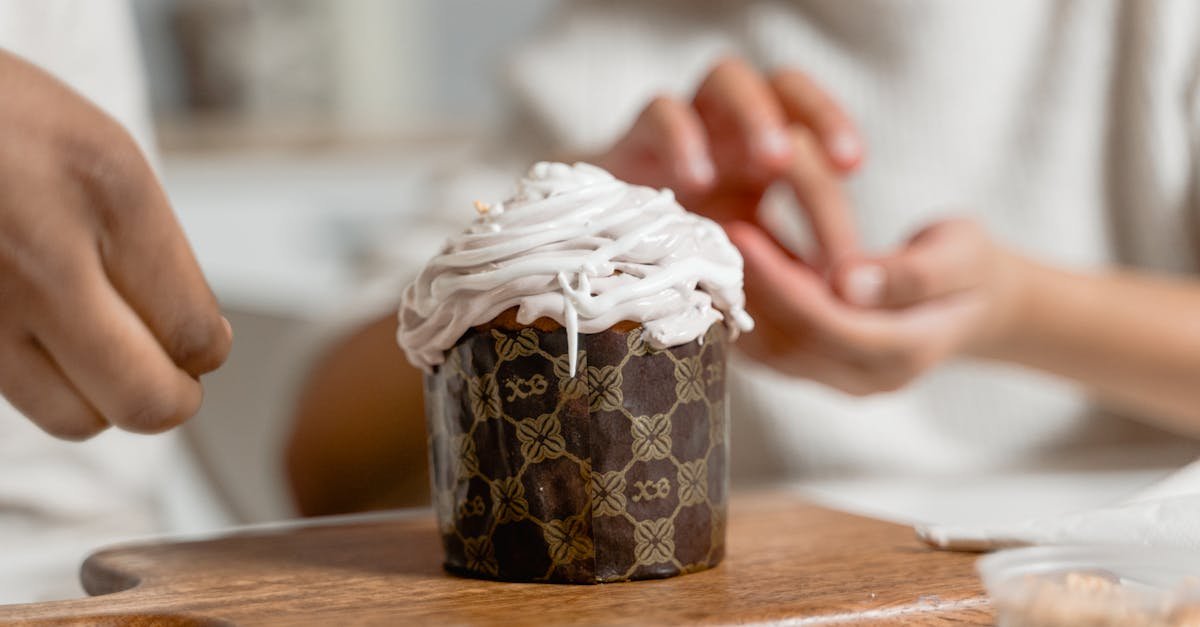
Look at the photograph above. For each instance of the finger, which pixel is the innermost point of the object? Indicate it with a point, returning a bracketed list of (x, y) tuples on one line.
[(148, 260), (861, 351), (821, 197), (809, 105), (786, 351), (787, 293), (33, 384), (111, 357), (797, 346), (667, 146), (745, 123), (940, 260)]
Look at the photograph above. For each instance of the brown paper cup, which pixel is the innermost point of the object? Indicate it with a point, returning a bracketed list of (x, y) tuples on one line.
[(615, 474)]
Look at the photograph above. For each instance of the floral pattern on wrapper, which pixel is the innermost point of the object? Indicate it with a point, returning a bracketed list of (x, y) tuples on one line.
[(614, 474)]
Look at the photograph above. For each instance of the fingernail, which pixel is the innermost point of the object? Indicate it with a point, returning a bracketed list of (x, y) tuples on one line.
[(864, 285), (701, 170), (775, 144), (844, 147), (228, 327)]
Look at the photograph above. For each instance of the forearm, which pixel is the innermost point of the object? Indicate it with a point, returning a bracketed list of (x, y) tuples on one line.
[(358, 439), (1132, 339)]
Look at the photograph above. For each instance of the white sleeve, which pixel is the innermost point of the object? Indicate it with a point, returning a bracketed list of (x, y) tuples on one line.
[(89, 45), (1194, 125)]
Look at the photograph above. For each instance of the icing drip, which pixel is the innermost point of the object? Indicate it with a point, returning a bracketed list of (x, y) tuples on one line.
[(580, 247)]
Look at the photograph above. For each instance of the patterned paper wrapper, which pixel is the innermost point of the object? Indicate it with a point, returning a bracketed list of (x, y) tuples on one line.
[(617, 473)]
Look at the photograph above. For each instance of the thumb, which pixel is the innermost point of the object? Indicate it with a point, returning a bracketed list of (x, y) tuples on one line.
[(942, 259)]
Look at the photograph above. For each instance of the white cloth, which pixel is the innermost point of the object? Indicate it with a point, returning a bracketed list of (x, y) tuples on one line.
[(1163, 515), (1069, 129), (61, 500)]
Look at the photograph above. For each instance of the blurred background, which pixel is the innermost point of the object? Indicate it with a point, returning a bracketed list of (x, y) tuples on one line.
[(299, 139), (323, 112), (293, 134), (310, 71)]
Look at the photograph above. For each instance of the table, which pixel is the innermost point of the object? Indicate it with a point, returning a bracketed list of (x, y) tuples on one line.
[(789, 561)]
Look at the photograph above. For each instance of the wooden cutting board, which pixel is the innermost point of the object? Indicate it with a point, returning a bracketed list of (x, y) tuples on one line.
[(788, 561)]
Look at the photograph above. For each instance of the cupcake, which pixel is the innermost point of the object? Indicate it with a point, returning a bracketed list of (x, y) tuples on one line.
[(574, 342)]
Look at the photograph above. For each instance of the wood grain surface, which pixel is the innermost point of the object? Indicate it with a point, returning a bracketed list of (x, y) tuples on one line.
[(788, 561)]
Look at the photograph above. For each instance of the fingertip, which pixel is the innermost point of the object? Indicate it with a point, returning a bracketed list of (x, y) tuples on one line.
[(812, 107), (743, 117), (225, 344), (741, 234), (770, 152), (845, 150), (749, 241), (675, 132), (200, 346), (761, 255), (696, 172), (773, 145), (862, 284)]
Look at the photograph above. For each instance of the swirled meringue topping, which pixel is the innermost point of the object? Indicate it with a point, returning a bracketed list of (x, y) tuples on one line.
[(578, 246)]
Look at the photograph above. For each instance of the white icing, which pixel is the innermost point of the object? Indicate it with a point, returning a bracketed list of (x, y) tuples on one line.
[(586, 250)]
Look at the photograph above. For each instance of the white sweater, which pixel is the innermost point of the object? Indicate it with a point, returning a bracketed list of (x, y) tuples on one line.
[(60, 500), (1071, 129)]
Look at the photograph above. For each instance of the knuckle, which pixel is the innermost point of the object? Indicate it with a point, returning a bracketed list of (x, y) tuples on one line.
[(854, 388), (725, 73), (108, 166), (845, 340), (859, 385), (901, 374), (888, 368), (881, 379), (900, 369), (899, 360), (974, 234), (917, 280), (961, 230), (890, 384), (963, 224), (661, 104), (729, 64), (807, 167), (662, 115), (95, 158), (790, 77)]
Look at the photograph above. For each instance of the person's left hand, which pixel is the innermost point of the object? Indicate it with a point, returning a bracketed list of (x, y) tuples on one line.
[(949, 291)]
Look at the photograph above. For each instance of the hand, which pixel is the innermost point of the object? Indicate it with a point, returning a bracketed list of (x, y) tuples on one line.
[(741, 133), (105, 317), (950, 290)]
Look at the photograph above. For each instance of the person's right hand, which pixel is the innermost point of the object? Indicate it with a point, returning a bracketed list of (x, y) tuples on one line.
[(105, 317), (740, 133)]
